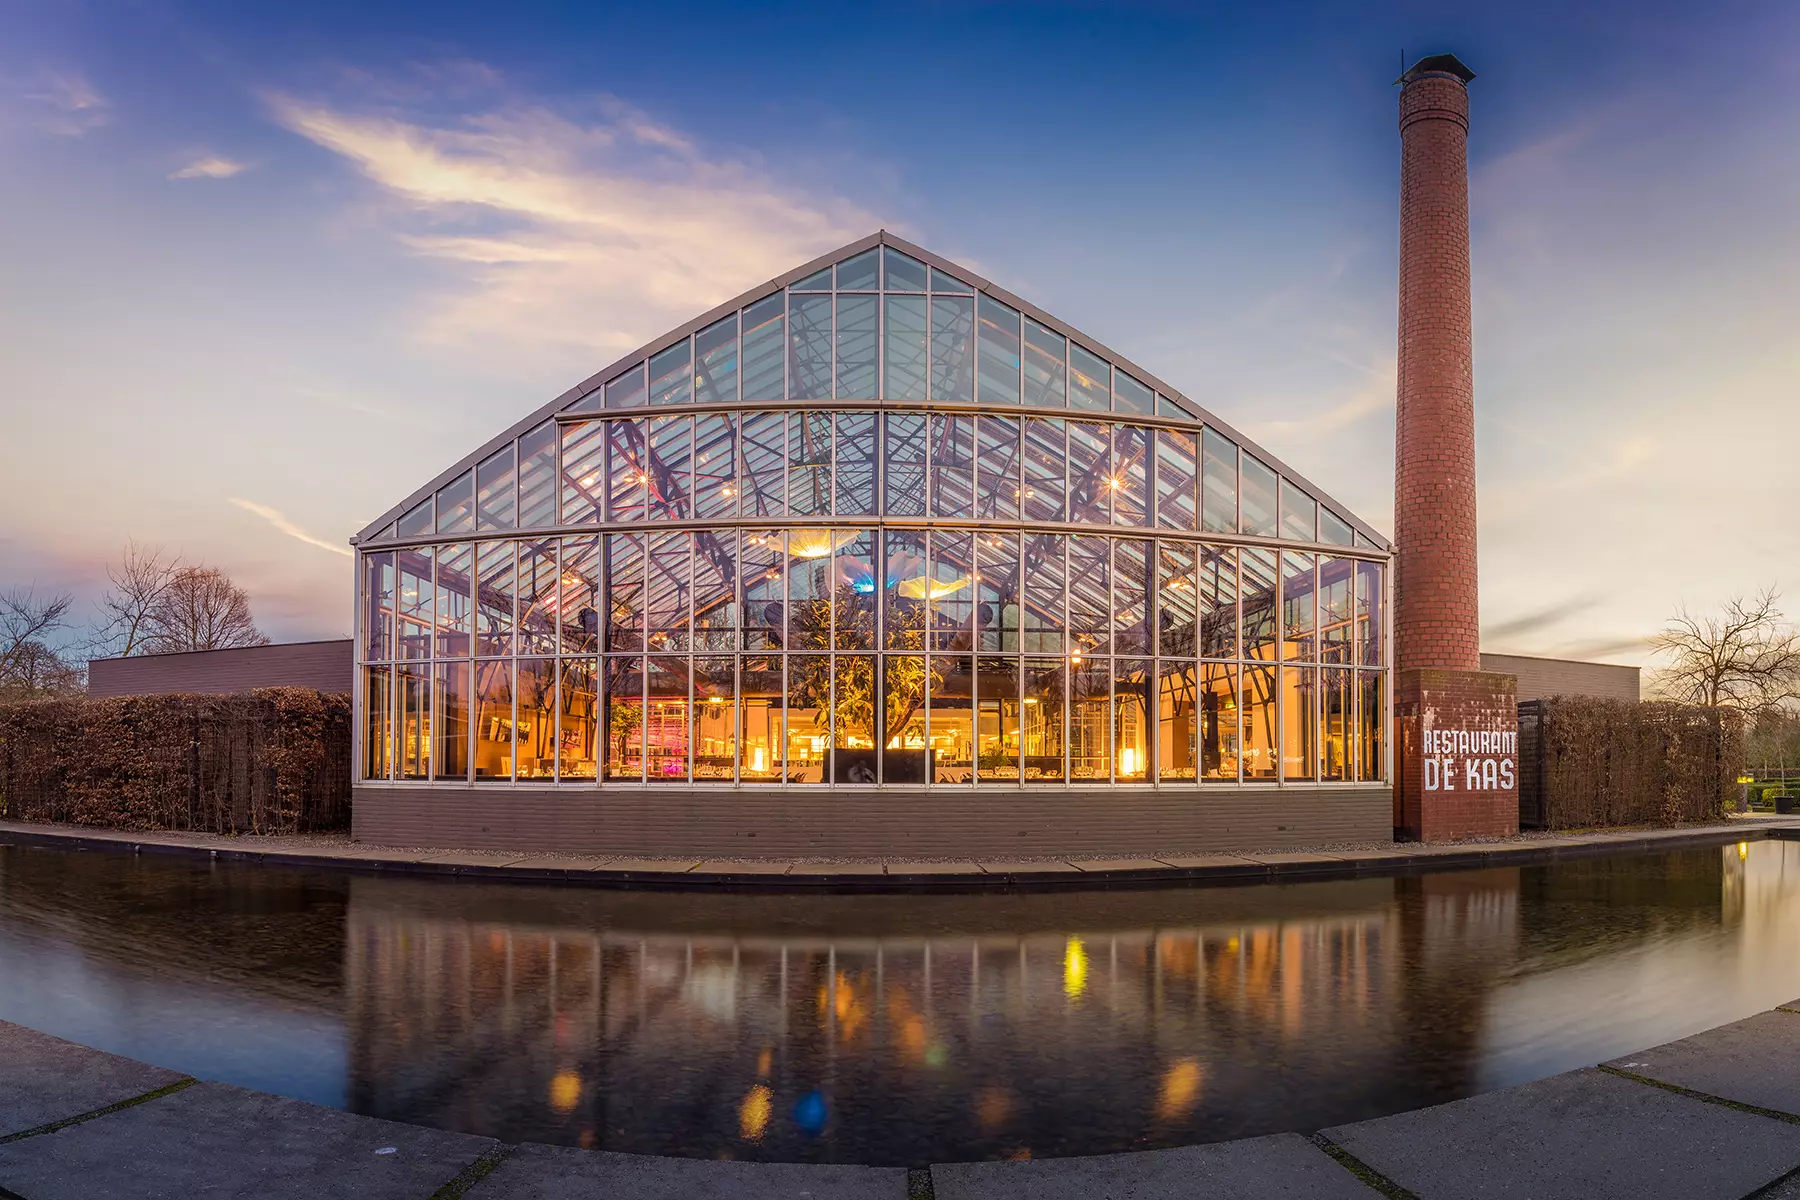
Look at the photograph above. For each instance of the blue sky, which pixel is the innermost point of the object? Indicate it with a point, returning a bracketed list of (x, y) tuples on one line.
[(269, 268)]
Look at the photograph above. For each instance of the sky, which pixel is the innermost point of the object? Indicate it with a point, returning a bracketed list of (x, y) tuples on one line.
[(268, 269)]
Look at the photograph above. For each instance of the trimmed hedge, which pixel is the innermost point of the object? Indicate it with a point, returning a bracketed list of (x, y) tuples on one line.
[(276, 760), (1610, 762)]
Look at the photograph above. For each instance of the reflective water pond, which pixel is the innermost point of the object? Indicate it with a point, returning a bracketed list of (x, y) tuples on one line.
[(890, 1029)]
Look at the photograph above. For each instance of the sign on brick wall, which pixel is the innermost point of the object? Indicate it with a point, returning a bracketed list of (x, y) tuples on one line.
[(1471, 760)]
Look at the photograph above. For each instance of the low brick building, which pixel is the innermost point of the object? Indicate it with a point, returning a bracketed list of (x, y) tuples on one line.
[(328, 666)]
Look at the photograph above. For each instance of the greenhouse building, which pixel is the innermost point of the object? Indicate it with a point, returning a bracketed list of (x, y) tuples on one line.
[(875, 559)]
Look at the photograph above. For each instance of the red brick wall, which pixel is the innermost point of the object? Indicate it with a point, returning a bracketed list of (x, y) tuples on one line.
[(1454, 701), (1435, 614)]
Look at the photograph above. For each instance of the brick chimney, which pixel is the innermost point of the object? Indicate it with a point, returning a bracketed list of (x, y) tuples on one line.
[(1455, 726)]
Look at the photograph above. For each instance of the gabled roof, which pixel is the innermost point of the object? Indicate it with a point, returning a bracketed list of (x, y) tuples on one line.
[(584, 389)]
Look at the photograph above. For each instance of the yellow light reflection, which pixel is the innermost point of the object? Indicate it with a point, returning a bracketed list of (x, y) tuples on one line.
[(930, 589), (1075, 968), (565, 1091), (753, 1112), (1743, 851), (1180, 1089)]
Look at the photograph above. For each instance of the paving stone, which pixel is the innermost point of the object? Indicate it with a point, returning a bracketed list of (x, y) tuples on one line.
[(474, 858), (837, 868), (1284, 1165), (1787, 1189), (1581, 1135), (934, 868), (1117, 864), (1030, 868), (213, 1140), (44, 1079), (657, 866), (1756, 1061), (1210, 862), (721, 866), (560, 1173), (1292, 858), (573, 866)]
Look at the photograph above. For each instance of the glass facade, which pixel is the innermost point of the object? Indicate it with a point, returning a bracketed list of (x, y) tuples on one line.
[(875, 528)]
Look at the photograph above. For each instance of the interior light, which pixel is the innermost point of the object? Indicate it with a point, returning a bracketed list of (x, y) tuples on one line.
[(759, 759), (1128, 761)]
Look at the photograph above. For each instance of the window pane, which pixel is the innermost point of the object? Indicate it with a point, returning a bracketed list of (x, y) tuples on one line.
[(418, 521), (539, 584), (1257, 579), (860, 273), (496, 492), (671, 485), (763, 700), (622, 732), (1090, 597), (497, 577), (583, 472), (997, 468), (858, 327), (1046, 462), (537, 719), (1333, 528), (1337, 726), (1046, 378), (1299, 724), (1090, 474), (1178, 723), (952, 590), (764, 341), (1218, 602), (952, 371), (809, 464), (493, 720), (1299, 514), (765, 609), (904, 603), (1177, 505), (578, 602), (671, 379), (903, 718), (451, 758), (1336, 617), (809, 347), (856, 464), (904, 274), (997, 591), (1219, 723), (999, 341), (941, 282), (1041, 721), (1257, 502), (1131, 466), (1258, 705), (1089, 380), (1090, 720), (952, 466), (1133, 582), (627, 471), (1370, 601), (455, 569), (715, 466), (904, 464), (537, 477), (818, 281), (951, 721), (853, 719), (627, 391), (1299, 615), (668, 588), (1042, 618), (715, 590), (624, 591), (378, 731), (1129, 395), (413, 685), (716, 362), (1371, 715), (853, 592), (456, 505), (997, 721), (1219, 476), (808, 717), (765, 465), (809, 589), (578, 720), (1177, 624), (666, 721), (714, 735), (907, 356), (413, 623), (1131, 720)]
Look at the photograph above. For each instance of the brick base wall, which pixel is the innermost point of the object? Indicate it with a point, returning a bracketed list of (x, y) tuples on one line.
[(1452, 779), (671, 821)]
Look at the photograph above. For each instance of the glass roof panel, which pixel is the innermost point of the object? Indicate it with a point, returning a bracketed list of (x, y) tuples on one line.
[(1299, 513), (861, 273), (818, 281), (671, 375), (1131, 396), (940, 282), (417, 522), (1088, 380), (716, 362), (1333, 528), (627, 391), (904, 274), (765, 341), (1045, 383)]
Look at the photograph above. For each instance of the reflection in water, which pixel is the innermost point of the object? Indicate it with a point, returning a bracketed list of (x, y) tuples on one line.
[(891, 1029)]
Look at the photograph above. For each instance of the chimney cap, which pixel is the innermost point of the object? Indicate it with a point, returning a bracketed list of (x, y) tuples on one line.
[(1438, 64)]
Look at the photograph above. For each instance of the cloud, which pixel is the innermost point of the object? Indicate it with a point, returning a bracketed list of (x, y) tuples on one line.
[(211, 166), (593, 227), (64, 103), (280, 521), (1543, 618)]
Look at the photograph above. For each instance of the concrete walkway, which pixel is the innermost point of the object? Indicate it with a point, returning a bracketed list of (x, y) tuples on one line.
[(1711, 1117), (804, 875)]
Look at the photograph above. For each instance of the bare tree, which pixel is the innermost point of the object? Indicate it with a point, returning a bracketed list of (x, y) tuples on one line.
[(28, 664), (202, 609), (1746, 657), (128, 610)]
